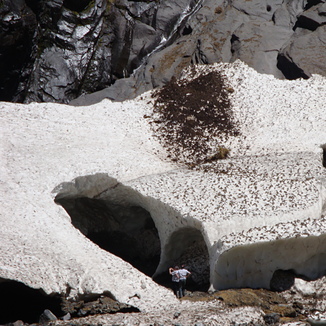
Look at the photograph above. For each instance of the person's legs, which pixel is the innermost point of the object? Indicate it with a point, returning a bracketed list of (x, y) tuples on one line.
[(176, 287), (182, 287), (180, 290)]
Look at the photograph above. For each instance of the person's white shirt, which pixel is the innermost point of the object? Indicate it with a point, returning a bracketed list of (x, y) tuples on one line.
[(175, 276), (183, 273)]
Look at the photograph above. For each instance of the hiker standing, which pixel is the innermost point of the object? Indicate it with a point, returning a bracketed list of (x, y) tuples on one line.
[(175, 280), (183, 275)]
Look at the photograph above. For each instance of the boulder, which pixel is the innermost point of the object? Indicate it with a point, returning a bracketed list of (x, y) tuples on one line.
[(262, 9), (312, 18), (303, 54), (252, 44), (272, 319), (47, 316)]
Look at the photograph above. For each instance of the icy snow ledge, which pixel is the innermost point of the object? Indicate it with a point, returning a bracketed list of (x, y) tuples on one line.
[(271, 188)]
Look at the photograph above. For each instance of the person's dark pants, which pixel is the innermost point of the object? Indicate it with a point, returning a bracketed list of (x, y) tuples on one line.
[(182, 287), (177, 289)]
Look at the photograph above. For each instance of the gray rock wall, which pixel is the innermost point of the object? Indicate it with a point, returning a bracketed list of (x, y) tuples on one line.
[(62, 50), (273, 37), (78, 47)]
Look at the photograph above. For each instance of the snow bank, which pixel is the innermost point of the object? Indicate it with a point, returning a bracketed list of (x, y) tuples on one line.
[(272, 183)]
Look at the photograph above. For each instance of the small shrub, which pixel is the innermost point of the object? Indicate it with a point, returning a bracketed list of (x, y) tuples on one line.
[(221, 154), (218, 10)]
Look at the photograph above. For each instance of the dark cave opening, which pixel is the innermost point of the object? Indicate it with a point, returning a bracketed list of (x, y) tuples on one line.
[(282, 280), (127, 231), (324, 156), (76, 5), (126, 247), (115, 217), (20, 302), (187, 247)]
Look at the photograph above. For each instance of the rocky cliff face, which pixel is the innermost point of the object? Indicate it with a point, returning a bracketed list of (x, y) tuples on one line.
[(76, 47), (58, 50)]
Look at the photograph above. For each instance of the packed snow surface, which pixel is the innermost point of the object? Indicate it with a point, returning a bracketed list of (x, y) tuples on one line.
[(271, 186)]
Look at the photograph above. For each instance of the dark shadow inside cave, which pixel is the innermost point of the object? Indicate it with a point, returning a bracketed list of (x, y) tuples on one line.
[(127, 231), (20, 302), (282, 280), (324, 155), (187, 247)]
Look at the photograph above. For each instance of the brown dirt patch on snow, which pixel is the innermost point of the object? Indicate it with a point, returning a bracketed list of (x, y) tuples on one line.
[(270, 302), (192, 115)]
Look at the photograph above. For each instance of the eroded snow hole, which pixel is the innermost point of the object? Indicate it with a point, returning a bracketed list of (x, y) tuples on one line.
[(20, 302), (125, 229), (112, 216), (126, 223), (272, 264), (187, 246), (324, 155)]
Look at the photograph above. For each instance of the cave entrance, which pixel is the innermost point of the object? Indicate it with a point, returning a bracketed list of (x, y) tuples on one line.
[(282, 280), (187, 247), (20, 302), (324, 155), (127, 231)]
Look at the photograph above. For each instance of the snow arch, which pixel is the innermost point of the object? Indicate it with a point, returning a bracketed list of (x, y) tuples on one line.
[(140, 229), (113, 219), (260, 265)]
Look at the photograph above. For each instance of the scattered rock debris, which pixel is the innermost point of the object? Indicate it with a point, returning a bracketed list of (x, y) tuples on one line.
[(197, 308), (102, 305), (192, 115)]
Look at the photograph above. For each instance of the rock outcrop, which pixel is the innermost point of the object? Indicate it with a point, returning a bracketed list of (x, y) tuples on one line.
[(18, 24), (268, 37), (57, 51), (79, 47), (90, 195)]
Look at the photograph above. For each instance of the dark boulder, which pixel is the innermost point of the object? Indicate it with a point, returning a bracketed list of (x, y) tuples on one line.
[(271, 319), (304, 54), (47, 316)]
